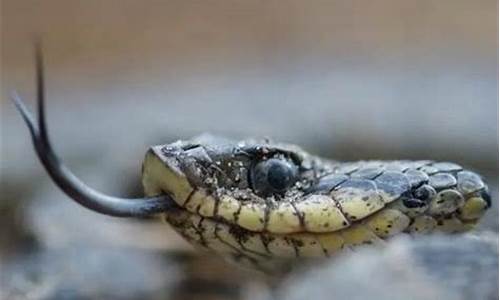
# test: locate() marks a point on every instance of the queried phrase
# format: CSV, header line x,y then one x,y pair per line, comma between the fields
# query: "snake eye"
x,y
273,176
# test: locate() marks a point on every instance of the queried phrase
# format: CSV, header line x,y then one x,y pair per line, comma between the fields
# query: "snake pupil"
x,y
273,175
279,175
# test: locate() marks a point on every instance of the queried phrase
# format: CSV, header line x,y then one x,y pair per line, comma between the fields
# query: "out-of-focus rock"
x,y
433,267
88,273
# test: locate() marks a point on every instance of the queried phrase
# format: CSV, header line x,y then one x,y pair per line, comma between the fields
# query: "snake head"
x,y
261,200
241,181
259,168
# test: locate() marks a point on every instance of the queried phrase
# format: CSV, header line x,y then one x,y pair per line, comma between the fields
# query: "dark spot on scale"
x,y
386,231
266,239
298,243
424,193
413,203
389,226
326,224
240,234
365,198
440,222
344,223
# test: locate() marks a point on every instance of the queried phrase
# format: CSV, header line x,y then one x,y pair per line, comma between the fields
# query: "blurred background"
x,y
349,80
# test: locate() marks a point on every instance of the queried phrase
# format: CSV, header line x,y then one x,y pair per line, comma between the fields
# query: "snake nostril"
x,y
486,196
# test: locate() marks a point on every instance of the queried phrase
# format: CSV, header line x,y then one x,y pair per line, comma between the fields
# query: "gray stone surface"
x,y
459,267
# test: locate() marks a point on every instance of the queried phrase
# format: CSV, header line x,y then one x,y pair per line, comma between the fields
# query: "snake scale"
x,y
261,203
267,205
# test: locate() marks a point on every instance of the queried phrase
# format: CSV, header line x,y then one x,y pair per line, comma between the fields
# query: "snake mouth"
x,y
225,238
238,223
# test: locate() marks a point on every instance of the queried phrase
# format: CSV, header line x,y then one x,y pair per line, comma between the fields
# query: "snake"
x,y
266,205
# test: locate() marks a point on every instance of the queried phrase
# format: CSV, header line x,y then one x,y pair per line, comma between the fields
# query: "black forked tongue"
x,y
65,179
